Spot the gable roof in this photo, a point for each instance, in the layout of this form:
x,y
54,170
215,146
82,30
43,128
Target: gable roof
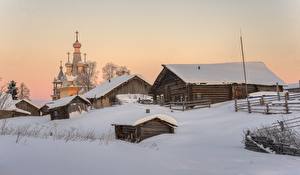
x,y
224,73
107,86
65,101
27,101
134,121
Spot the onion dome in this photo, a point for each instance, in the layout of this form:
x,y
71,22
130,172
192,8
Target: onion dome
x,y
77,43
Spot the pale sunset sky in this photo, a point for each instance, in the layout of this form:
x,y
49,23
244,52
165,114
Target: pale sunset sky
x,y
143,34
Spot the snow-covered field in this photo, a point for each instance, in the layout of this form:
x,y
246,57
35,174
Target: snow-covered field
x,y
207,141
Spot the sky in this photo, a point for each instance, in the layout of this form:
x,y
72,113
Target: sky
x,y
142,35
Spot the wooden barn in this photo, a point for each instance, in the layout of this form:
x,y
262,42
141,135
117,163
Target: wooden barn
x,y
294,87
145,127
105,94
27,105
214,82
63,107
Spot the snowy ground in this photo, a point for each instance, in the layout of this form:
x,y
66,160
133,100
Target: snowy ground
x,y
207,141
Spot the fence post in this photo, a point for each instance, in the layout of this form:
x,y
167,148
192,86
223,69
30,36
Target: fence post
x,y
286,104
235,105
249,106
267,109
183,103
277,89
262,101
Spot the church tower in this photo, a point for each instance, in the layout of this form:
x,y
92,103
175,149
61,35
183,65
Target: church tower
x,y
76,55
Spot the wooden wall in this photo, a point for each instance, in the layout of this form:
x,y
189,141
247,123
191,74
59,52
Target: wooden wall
x,y
143,131
133,86
28,107
8,114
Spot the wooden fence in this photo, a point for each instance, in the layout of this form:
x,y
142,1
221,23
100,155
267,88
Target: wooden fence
x,y
276,104
187,105
284,142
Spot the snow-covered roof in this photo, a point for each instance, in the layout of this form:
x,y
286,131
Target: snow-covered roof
x,y
136,121
225,73
64,101
292,86
26,100
107,86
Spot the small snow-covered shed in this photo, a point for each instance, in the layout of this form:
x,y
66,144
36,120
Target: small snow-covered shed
x,y
215,82
145,127
293,87
105,94
61,108
27,105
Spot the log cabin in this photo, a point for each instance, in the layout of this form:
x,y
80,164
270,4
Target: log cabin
x,y
27,105
145,127
9,113
63,107
104,94
215,82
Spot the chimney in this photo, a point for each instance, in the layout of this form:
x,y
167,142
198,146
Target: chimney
x,y
198,67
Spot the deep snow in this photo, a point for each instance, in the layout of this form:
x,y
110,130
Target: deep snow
x,y
206,141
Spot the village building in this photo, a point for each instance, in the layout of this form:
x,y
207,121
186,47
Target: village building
x,y
64,107
104,94
293,87
66,83
13,112
28,106
145,127
214,82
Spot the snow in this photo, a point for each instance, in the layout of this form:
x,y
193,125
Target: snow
x,y
64,101
206,141
225,73
163,117
107,86
293,86
132,98
265,93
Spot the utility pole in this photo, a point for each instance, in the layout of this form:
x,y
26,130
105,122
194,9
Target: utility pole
x,y
244,66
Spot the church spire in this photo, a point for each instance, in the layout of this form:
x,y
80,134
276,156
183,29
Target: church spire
x,y
76,35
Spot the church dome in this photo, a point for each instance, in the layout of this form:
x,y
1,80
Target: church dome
x,y
77,44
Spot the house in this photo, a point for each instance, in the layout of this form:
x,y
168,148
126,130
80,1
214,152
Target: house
x,y
13,112
145,127
104,94
63,107
214,82
293,87
27,105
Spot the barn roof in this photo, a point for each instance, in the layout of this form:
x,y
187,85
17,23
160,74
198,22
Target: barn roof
x,y
27,101
64,101
107,86
134,121
225,73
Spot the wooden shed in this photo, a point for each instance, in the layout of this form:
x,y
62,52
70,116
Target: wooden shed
x,y
9,113
61,108
145,127
27,105
105,94
213,82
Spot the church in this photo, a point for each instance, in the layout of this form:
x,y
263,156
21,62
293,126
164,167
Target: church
x,y
70,82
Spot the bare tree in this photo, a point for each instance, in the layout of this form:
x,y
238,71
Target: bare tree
x,y
89,77
122,70
24,92
109,71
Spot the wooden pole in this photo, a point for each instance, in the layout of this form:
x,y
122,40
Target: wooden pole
x,y
244,66
235,105
267,109
277,89
249,106
286,104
